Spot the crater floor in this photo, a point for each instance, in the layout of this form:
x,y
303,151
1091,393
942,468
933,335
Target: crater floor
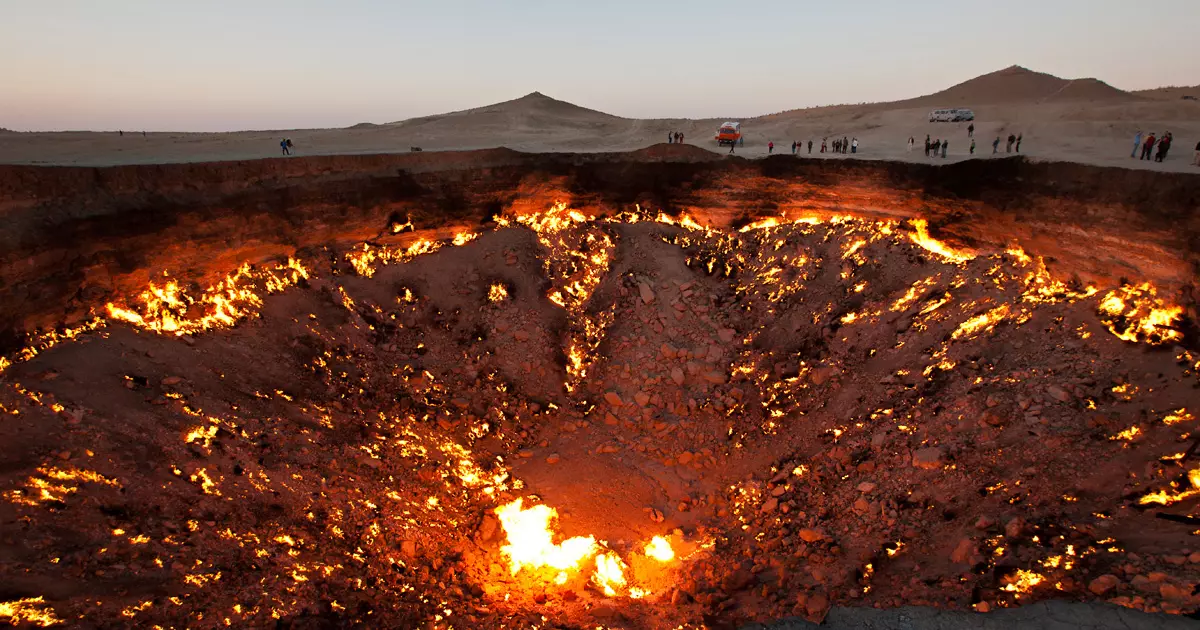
x,y
814,413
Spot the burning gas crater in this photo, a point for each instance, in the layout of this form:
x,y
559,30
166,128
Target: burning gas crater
x,y
768,420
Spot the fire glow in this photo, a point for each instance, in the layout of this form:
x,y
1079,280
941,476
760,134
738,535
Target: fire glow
x,y
530,547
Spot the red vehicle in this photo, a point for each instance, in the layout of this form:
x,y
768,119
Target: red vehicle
x,y
730,133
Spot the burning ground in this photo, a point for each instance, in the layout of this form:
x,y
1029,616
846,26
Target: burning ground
x,y
621,421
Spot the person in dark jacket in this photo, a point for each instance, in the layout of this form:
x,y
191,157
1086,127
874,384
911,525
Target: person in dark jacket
x,y
1148,146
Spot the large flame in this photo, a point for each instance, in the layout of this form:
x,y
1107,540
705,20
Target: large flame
x,y
660,549
530,539
924,240
610,574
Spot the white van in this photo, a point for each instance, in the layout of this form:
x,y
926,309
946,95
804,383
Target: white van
x,y
951,115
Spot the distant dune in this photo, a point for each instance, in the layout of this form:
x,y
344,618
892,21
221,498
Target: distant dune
x,y
1017,84
1171,93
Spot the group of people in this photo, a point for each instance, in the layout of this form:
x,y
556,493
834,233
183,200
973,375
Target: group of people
x,y
675,137
932,149
839,146
798,146
1147,146
286,145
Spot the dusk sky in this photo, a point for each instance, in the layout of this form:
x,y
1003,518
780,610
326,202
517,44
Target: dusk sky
x,y
221,65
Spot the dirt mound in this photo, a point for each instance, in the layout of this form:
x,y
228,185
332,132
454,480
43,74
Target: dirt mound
x,y
674,153
532,106
1017,84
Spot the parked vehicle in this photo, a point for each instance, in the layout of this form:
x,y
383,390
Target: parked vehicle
x,y
730,133
951,115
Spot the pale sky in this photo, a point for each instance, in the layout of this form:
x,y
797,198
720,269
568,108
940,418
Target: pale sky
x,y
220,65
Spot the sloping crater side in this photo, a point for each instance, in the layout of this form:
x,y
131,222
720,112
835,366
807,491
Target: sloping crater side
x,y
77,238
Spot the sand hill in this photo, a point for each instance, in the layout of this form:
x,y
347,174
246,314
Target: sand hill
x,y
1017,84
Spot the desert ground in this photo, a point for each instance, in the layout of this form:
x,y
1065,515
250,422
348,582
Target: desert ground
x,y
1082,120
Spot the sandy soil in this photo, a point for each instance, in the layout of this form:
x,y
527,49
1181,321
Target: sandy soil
x,y
1077,121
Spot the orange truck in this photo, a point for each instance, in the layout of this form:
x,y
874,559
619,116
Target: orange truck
x,y
730,133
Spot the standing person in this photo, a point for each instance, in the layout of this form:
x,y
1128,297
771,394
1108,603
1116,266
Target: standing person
x,y
996,145
283,146
972,146
670,137
1164,145
290,146
926,145
854,145
1019,137
121,133
823,143
810,146
945,146
845,144
937,146
971,130
1008,146
680,137
770,147
793,147
1147,147
911,143
731,145
1137,143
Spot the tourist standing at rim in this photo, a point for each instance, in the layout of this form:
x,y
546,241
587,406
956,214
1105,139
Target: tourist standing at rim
x,y
770,147
972,146
971,130
1164,145
927,145
283,144
1008,147
793,147
1019,137
911,143
670,137
854,145
996,145
845,144
1137,144
810,146
1147,147
945,145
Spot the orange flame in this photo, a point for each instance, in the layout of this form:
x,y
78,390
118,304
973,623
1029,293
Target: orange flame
x,y
530,540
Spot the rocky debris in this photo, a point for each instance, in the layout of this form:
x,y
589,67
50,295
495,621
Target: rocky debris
x,y
646,293
1058,393
677,375
966,552
811,535
929,458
